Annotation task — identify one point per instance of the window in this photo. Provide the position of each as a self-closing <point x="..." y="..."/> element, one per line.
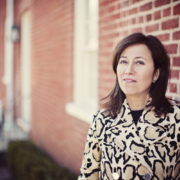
<point x="25" y="120"/>
<point x="85" y="102"/>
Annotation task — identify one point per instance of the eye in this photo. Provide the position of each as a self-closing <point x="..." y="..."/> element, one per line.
<point x="139" y="62"/>
<point x="122" y="61"/>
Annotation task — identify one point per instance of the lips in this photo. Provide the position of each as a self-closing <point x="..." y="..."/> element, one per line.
<point x="129" y="80"/>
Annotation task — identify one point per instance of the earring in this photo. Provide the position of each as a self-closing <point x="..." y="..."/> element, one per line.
<point x="154" y="81"/>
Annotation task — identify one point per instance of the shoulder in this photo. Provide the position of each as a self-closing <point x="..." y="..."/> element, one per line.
<point x="174" y="102"/>
<point x="175" y="107"/>
<point x="101" y="114"/>
<point x="100" y="122"/>
<point x="101" y="117"/>
<point x="174" y="112"/>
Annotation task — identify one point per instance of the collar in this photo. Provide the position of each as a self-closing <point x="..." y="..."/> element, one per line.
<point x="135" y="139"/>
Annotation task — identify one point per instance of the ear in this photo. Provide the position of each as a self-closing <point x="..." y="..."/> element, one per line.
<point x="156" y="75"/>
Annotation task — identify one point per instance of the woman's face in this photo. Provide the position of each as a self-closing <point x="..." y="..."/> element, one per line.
<point x="135" y="71"/>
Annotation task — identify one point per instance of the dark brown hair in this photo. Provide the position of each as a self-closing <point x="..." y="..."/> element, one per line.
<point x="157" y="90"/>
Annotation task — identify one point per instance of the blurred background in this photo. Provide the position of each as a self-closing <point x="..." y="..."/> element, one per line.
<point x="56" y="65"/>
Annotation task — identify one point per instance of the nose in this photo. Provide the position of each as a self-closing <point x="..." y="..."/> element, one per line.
<point x="130" y="69"/>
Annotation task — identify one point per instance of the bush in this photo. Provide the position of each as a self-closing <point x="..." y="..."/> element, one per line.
<point x="27" y="162"/>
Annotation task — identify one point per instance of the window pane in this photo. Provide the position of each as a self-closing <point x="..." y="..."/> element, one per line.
<point x="91" y="24"/>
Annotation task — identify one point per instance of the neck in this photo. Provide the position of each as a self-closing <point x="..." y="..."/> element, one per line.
<point x="137" y="103"/>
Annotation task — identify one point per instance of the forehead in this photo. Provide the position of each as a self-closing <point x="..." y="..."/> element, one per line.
<point x="137" y="50"/>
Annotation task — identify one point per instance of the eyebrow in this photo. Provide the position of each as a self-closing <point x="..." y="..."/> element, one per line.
<point x="140" y="57"/>
<point x="135" y="57"/>
<point x="123" y="57"/>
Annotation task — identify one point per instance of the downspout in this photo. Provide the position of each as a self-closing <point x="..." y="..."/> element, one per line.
<point x="9" y="58"/>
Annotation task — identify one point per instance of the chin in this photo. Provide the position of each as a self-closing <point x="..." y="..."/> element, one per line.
<point x="129" y="92"/>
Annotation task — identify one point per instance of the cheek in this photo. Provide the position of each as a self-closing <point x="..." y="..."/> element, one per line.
<point x="147" y="78"/>
<point x="120" y="77"/>
<point x="120" y="72"/>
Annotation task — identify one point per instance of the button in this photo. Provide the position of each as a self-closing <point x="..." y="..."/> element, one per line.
<point x="147" y="176"/>
<point x="115" y="176"/>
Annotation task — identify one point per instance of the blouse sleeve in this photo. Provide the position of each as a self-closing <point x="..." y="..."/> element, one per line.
<point x="92" y="155"/>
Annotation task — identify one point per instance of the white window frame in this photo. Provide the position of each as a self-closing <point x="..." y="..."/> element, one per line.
<point x="85" y="102"/>
<point x="25" y="120"/>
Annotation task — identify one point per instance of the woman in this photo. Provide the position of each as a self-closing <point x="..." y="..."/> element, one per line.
<point x="137" y="135"/>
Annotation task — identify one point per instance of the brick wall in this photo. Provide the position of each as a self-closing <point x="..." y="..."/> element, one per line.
<point x="52" y="82"/>
<point x="2" y="22"/>
<point x="52" y="29"/>
<point x="120" y="18"/>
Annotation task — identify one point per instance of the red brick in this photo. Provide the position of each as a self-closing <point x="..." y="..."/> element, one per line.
<point x="110" y="18"/>
<point x="171" y="48"/>
<point x="104" y="3"/>
<point x="133" y="20"/>
<point x="115" y="16"/>
<point x="125" y="33"/>
<point x="124" y="23"/>
<point x="176" y="9"/>
<point x="125" y="4"/>
<point x="106" y="45"/>
<point x="135" y="1"/>
<point x="123" y="14"/>
<point x="108" y="27"/>
<point x="167" y="12"/>
<point x="126" y="13"/>
<point x="101" y="12"/>
<point x="173" y="88"/>
<point x="141" y="19"/>
<point x="157" y="15"/>
<point x="136" y="30"/>
<point x="175" y="74"/>
<point x="120" y="24"/>
<point x="2" y="36"/>
<point x="176" y="35"/>
<point x="146" y="7"/>
<point x="111" y="9"/>
<point x="169" y="24"/>
<point x="152" y="28"/>
<point x="133" y="11"/>
<point x="163" y="37"/>
<point x="176" y="61"/>
<point x="161" y="2"/>
<point x="148" y="17"/>
<point x="118" y="6"/>
<point x="112" y="35"/>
